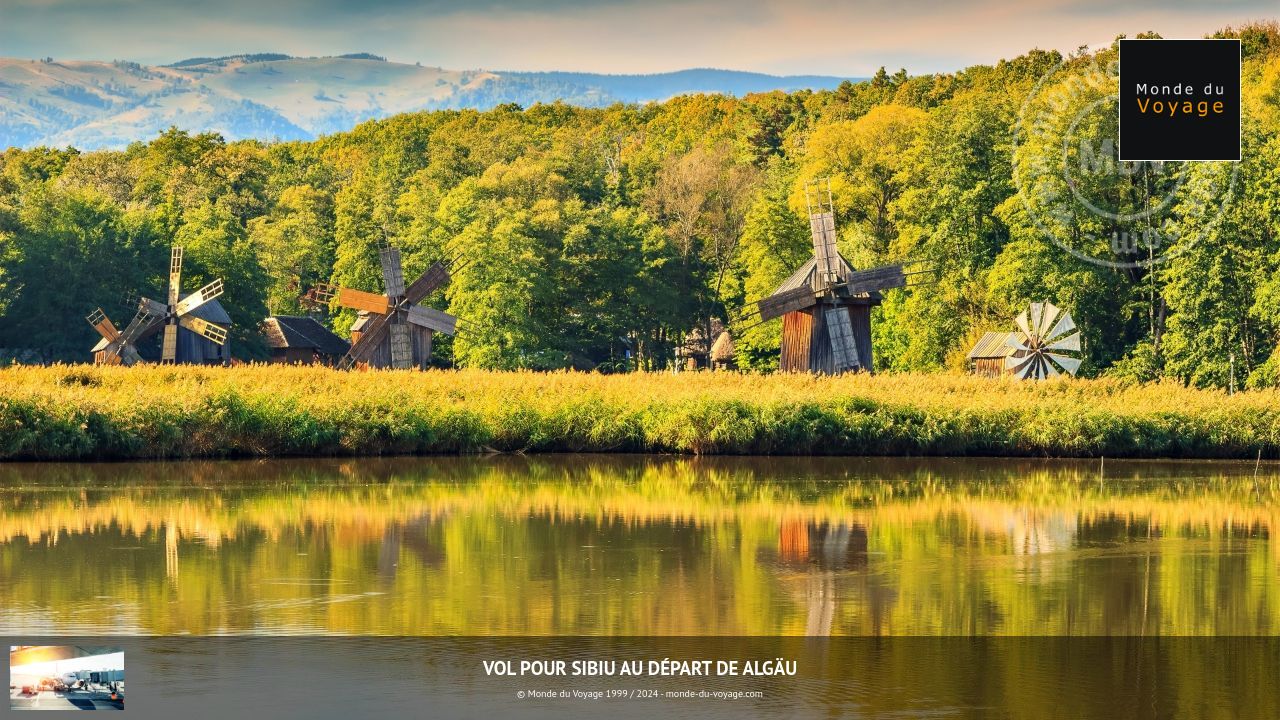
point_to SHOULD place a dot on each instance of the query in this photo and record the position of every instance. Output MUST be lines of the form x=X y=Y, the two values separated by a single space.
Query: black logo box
x=1186 y=68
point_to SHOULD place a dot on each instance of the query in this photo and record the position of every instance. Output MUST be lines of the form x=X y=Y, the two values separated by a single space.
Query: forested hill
x=602 y=237
x=90 y=105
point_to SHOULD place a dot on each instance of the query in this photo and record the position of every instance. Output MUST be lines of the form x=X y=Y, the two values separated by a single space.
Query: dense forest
x=602 y=237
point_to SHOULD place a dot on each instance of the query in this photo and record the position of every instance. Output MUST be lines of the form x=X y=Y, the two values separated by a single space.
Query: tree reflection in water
x=639 y=546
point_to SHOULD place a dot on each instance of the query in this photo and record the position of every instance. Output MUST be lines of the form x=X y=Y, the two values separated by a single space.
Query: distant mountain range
x=93 y=104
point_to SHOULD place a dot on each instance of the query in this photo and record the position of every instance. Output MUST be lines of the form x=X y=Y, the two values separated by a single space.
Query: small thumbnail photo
x=66 y=677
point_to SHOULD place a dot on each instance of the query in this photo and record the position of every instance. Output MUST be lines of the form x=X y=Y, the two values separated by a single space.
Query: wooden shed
x=989 y=353
x=806 y=334
x=298 y=340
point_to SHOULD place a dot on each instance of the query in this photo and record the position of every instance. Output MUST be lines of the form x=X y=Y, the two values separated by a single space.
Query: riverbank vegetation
x=83 y=412
x=603 y=237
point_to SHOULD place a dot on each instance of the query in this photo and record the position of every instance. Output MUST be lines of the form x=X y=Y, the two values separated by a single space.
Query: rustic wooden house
x=298 y=340
x=989 y=353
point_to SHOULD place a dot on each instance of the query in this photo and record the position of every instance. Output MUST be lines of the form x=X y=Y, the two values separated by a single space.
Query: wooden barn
x=990 y=352
x=191 y=347
x=297 y=340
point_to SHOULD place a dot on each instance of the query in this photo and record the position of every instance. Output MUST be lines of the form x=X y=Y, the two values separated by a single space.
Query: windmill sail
x=432 y=319
x=175 y=274
x=436 y=276
x=401 y=346
x=198 y=298
x=885 y=277
x=822 y=226
x=392 y=272
x=781 y=303
x=210 y=331
x=840 y=332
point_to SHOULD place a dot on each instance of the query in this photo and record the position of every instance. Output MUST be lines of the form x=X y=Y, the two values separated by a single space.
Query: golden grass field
x=81 y=412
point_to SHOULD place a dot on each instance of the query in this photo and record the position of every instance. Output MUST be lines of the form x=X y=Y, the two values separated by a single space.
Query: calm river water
x=642 y=546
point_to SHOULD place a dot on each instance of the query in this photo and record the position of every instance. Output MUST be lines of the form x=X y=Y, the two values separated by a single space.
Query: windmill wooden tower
x=195 y=327
x=825 y=305
x=393 y=331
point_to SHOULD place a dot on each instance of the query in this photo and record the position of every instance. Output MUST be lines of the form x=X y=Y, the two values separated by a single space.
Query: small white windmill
x=1040 y=350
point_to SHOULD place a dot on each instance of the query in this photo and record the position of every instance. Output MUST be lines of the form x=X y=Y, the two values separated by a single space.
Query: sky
x=113 y=661
x=848 y=39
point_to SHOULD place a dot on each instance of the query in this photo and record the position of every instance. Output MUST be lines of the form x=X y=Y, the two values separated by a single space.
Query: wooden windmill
x=198 y=313
x=393 y=330
x=825 y=305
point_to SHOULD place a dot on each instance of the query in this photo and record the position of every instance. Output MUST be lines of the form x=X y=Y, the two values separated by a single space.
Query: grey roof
x=292 y=331
x=213 y=312
x=807 y=274
x=993 y=345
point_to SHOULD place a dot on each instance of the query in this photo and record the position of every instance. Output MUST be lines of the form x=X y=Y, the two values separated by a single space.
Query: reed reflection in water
x=599 y=545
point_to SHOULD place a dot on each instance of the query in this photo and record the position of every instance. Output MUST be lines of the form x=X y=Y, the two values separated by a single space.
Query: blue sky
x=618 y=36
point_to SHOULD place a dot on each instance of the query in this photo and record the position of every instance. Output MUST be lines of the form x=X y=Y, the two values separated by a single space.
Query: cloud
x=802 y=36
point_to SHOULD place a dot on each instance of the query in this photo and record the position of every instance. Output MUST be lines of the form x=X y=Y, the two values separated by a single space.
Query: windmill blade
x=1017 y=363
x=1069 y=364
x=1037 y=310
x=375 y=330
x=822 y=226
x=198 y=298
x=432 y=319
x=1022 y=323
x=204 y=328
x=175 y=274
x=1047 y=369
x=1064 y=325
x=885 y=277
x=780 y=304
x=169 y=348
x=436 y=276
x=100 y=322
x=401 y=346
x=154 y=307
x=361 y=300
x=840 y=334
x=1017 y=343
x=1046 y=320
x=117 y=344
x=392 y=272
x=142 y=321
x=1071 y=342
